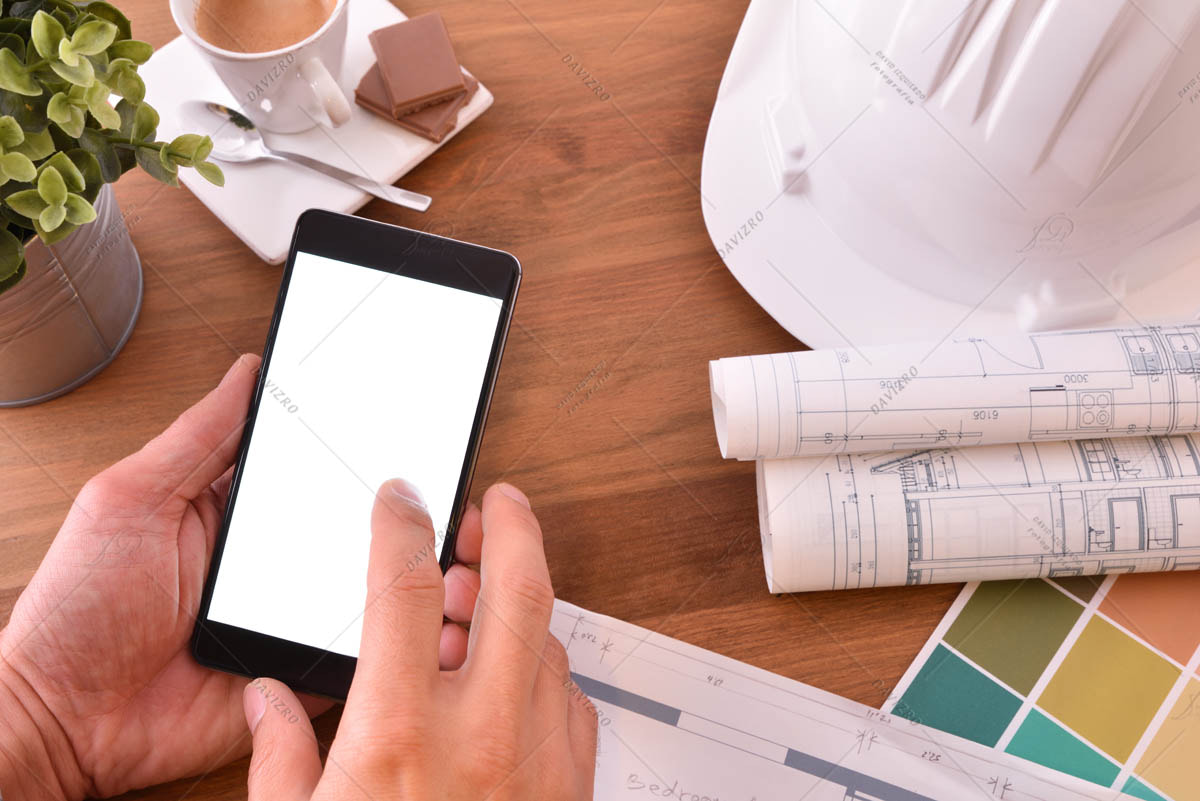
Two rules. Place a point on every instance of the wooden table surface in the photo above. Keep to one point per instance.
(602, 413)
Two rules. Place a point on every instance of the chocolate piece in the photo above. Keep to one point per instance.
(432, 122)
(417, 63)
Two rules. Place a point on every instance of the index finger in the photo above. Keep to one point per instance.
(402, 622)
(516, 599)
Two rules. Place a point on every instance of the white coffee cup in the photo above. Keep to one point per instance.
(286, 90)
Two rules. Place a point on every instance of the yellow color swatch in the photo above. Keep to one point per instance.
(1108, 688)
(1170, 761)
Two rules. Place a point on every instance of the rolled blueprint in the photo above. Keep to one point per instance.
(1063, 385)
(1056, 508)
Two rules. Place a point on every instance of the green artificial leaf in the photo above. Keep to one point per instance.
(132, 49)
(15, 76)
(62, 140)
(75, 123)
(53, 189)
(8, 215)
(66, 168)
(130, 86)
(28, 111)
(211, 173)
(127, 110)
(17, 167)
(126, 158)
(37, 144)
(63, 10)
(110, 13)
(12, 255)
(16, 26)
(145, 123)
(148, 160)
(25, 8)
(12, 280)
(12, 219)
(58, 234)
(11, 134)
(183, 149)
(93, 93)
(13, 42)
(79, 211)
(60, 108)
(100, 62)
(164, 158)
(47, 32)
(118, 64)
(26, 202)
(105, 114)
(87, 167)
(104, 152)
(52, 217)
(81, 75)
(94, 37)
(67, 54)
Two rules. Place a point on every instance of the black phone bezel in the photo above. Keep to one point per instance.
(392, 249)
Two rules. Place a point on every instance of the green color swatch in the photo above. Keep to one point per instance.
(951, 695)
(1039, 739)
(1082, 587)
(1108, 688)
(1138, 790)
(1012, 629)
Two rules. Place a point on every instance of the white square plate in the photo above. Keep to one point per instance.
(261, 202)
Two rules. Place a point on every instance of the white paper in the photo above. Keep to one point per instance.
(683, 723)
(1022, 510)
(964, 391)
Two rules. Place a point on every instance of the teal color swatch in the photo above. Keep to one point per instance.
(951, 695)
(1136, 789)
(1039, 739)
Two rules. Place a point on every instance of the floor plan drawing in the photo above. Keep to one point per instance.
(676, 721)
(964, 391)
(1022, 510)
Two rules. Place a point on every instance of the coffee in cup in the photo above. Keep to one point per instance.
(280, 58)
(259, 26)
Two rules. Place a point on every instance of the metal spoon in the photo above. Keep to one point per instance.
(237, 140)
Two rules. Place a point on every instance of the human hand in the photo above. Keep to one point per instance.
(98, 691)
(502, 719)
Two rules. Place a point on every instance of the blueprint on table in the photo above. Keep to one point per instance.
(683, 723)
(1057, 385)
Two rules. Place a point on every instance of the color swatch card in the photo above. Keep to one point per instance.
(1095, 676)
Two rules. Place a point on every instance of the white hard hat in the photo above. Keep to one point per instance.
(1036, 159)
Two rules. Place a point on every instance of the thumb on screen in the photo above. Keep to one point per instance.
(285, 763)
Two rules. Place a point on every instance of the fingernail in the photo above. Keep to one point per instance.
(254, 704)
(514, 493)
(407, 491)
(234, 368)
(237, 367)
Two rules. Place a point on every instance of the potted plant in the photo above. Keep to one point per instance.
(70, 279)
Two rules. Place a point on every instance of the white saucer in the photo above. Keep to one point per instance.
(820, 289)
(261, 202)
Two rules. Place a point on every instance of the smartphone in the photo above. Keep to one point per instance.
(380, 363)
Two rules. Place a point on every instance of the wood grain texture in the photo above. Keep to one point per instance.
(602, 413)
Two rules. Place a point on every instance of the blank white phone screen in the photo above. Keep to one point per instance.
(373, 376)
